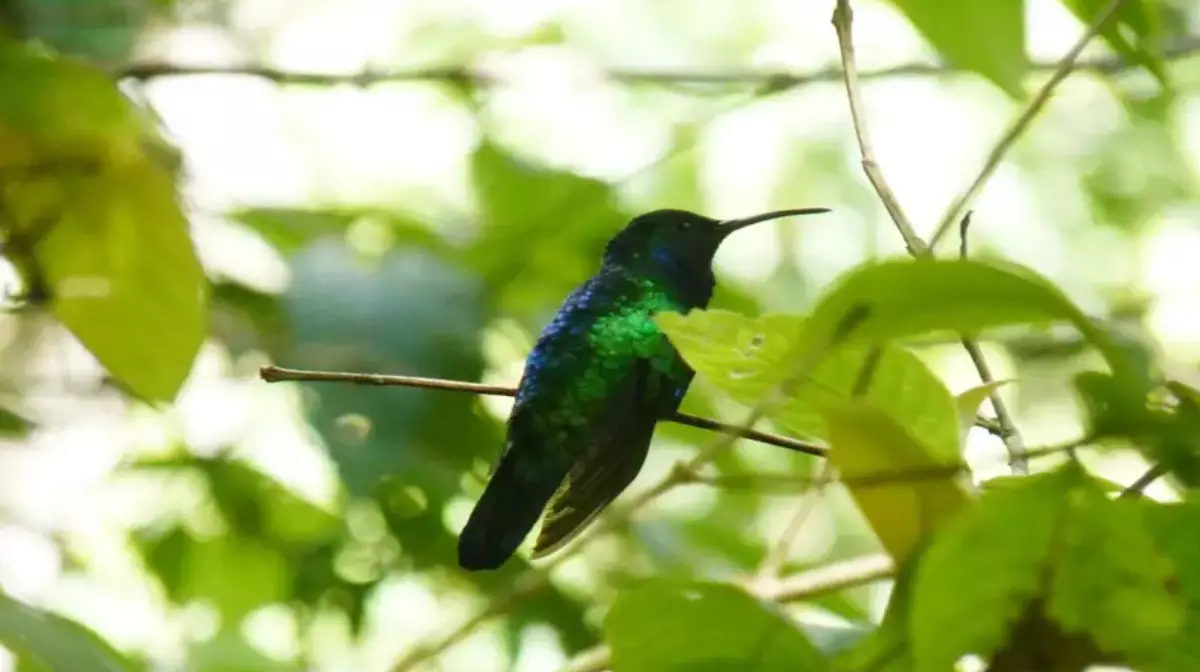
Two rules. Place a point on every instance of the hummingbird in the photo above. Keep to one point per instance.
(599, 378)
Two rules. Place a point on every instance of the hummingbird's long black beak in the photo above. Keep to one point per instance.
(730, 225)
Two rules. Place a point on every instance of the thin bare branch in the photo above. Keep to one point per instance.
(843, 18)
(772, 563)
(275, 374)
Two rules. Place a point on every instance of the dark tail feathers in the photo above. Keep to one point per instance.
(503, 517)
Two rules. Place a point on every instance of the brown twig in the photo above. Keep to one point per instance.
(275, 374)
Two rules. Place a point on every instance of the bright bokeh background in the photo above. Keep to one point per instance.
(349, 222)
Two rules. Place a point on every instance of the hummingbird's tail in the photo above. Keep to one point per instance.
(504, 515)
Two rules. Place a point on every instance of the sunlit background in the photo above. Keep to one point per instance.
(342, 224)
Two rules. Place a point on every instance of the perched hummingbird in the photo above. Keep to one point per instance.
(600, 376)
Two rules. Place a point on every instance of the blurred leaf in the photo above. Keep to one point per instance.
(748, 358)
(901, 488)
(55, 642)
(1174, 528)
(544, 230)
(1139, 18)
(1110, 580)
(983, 37)
(667, 625)
(880, 301)
(98, 215)
(1058, 534)
(1117, 408)
(290, 229)
(255, 505)
(236, 575)
(976, 577)
(887, 647)
(229, 651)
(13, 424)
(1127, 194)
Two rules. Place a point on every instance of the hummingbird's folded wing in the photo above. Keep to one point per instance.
(612, 460)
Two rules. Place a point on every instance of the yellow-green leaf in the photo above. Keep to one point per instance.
(903, 491)
(968, 404)
(747, 358)
(43, 638)
(95, 212)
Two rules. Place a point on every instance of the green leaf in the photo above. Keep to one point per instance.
(886, 300)
(665, 625)
(95, 211)
(1140, 18)
(533, 247)
(1110, 580)
(904, 492)
(53, 641)
(978, 574)
(14, 424)
(1174, 528)
(1055, 537)
(983, 37)
(237, 575)
(747, 358)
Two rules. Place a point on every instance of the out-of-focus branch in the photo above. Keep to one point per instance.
(772, 80)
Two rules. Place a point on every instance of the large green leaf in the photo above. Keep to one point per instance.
(1054, 539)
(748, 358)
(665, 625)
(94, 210)
(899, 298)
(1111, 580)
(1174, 528)
(976, 577)
(984, 37)
(49, 640)
(903, 491)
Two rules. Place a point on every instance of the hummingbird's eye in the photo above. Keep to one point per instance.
(685, 225)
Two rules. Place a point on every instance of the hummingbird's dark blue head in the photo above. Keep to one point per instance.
(678, 241)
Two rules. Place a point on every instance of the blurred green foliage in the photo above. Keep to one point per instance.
(1048, 570)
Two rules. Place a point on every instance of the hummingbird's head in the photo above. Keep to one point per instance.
(681, 241)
